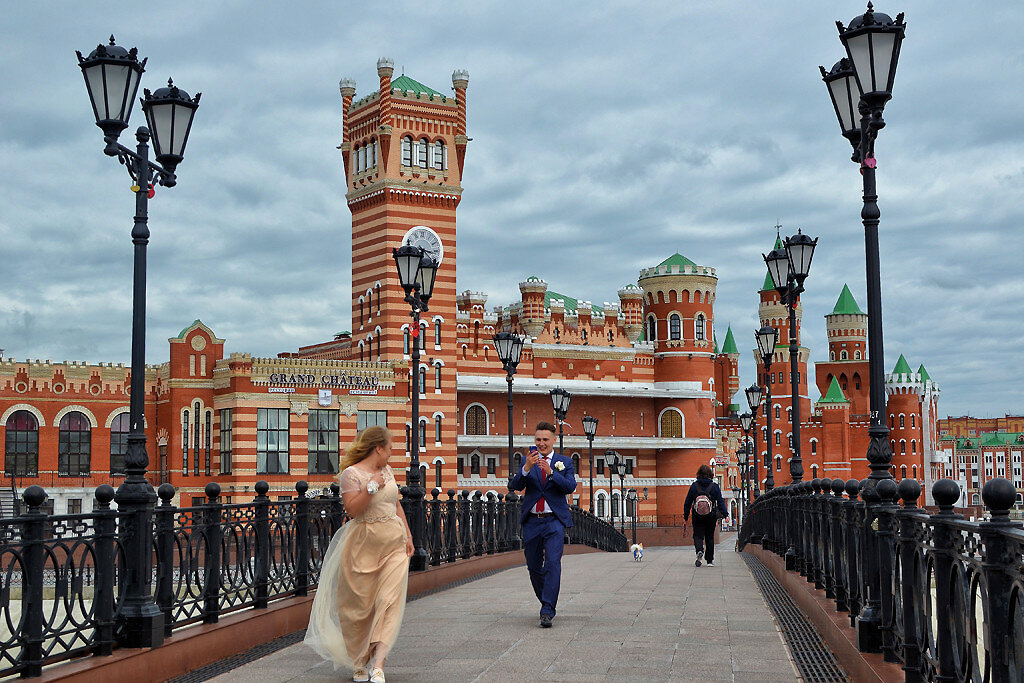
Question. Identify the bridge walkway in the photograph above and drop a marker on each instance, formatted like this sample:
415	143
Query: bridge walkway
662	619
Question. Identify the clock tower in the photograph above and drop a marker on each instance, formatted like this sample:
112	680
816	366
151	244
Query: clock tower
403	148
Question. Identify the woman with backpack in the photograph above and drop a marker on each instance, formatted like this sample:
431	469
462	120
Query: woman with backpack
705	500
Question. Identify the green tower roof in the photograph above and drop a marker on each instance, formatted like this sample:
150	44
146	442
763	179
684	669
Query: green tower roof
197	321
571	304
846	304
677	259
834	394
924	373
902	367
404	83
730	343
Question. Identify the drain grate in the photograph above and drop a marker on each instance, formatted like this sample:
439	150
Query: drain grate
214	669
812	657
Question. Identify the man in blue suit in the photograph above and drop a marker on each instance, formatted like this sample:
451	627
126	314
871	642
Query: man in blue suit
547	478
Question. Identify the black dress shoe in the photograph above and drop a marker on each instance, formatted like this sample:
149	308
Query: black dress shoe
545	621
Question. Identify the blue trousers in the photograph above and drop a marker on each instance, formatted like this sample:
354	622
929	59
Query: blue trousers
543	540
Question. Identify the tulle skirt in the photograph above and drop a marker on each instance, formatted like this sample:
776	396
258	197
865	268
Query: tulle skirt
361	597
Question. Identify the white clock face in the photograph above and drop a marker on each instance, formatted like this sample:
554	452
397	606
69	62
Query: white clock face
422	236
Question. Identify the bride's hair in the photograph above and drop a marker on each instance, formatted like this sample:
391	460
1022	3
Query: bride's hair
366	442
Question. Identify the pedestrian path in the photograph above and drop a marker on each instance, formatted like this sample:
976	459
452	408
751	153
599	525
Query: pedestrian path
658	620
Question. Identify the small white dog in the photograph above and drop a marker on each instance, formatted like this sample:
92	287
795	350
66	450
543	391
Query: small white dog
638	552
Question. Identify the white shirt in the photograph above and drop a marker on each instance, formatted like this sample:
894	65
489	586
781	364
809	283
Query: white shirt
545	458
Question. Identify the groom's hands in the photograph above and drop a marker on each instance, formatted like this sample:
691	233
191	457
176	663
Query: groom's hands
532	458
544	467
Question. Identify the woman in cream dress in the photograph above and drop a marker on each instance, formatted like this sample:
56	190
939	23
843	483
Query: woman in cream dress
359	603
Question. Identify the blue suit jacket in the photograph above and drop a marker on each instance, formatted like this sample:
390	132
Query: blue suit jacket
554	489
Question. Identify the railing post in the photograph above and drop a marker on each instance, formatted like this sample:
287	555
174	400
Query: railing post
825	548
104	529
999	565
213	536
337	509
869	621
478	520
851	526
33	521
301	538
165	555
910	587
887	493
262	560
501	527
792	537
451	527
489	514
465	525
512	514
838	545
945	538
436	544
818	529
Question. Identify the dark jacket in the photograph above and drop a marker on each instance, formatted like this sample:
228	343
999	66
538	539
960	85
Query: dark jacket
555	488
710	489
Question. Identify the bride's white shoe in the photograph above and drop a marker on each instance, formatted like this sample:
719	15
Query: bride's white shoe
377	675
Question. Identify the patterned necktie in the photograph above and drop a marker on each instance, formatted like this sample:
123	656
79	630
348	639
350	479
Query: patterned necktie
543	478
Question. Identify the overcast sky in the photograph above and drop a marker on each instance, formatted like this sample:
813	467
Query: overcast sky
606	136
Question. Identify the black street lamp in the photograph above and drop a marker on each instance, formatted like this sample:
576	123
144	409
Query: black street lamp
859	85
632	496
767	337
747	422
510	349
560	399
788	268
616	466
590	429
741	460
112	76
416	272
754	395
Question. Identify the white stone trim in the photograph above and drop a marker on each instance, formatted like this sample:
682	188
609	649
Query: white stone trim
24	406
498	441
75	408
582	387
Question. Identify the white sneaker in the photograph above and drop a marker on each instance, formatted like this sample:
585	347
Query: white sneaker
711	564
700	556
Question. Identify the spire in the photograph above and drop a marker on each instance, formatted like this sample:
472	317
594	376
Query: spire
730	343
714	338
834	394
677	259
846	304
902	367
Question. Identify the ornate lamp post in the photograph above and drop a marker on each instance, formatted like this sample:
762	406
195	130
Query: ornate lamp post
510	349
560	399
767	337
590	429
632	496
416	272
754	394
788	267
747	423
112	76
859	85
616	466
741	459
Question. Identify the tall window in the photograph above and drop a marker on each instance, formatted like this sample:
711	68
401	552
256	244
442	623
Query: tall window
902	418
576	462
437	333
407	151
600	506
474	465
423	381
439	155
74	445
421	149
615	504
118	442
208	438
674	327
369	418
437	475
698	325
652	329
323	441
405	342
476	420
672	424
225	441
437	378
185	424
423	434
21	450
423	336
492	466
437	430
599	467
271	440
195	441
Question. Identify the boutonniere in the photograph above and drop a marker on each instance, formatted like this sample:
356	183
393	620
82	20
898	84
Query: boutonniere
559	465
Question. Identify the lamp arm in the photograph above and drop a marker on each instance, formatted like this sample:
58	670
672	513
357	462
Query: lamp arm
133	162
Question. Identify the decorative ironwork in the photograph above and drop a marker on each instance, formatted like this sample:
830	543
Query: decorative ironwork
63	577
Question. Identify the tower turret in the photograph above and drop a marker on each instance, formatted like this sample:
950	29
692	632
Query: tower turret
347	87
532	317
847	330
905	390
460	81
631	310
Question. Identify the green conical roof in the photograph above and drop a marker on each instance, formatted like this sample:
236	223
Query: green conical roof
846	305
730	343
677	259
834	394
404	83
902	367
924	373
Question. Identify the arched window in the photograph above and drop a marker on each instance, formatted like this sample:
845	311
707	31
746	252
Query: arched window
439	155
778	412
615	504
915	472
903	471
423	381
421	149
600	505
674	327
423	336
843	355
652	329
437	475
474	464
698	327
814	471
407	150
901	420
671	424
856	355
74	445
437	378
118	442
912	420
831	355
903	447
371	155
913	446
437	333
21	450
576	463
476	421
778	463
405	341
517	462
778	438
789	414
437	429
814	447
423	434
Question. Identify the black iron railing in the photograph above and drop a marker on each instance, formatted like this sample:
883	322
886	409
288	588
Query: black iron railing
62	576
936	593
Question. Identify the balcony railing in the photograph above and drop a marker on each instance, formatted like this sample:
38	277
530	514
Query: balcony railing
936	593
62	577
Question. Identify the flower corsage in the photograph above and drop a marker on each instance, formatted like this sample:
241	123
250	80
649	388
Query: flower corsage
559	465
